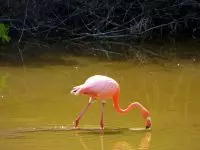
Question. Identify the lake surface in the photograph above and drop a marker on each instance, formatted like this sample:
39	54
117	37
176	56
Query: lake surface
36	106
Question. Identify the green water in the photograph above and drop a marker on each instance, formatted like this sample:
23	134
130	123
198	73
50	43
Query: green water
38	96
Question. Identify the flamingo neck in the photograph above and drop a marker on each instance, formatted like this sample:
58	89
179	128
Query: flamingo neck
144	112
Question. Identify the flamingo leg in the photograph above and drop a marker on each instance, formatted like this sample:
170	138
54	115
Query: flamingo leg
102	115
91	100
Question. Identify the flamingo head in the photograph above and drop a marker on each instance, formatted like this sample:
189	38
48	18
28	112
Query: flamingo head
75	90
148	122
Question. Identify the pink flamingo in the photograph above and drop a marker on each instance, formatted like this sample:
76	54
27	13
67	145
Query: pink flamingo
102	88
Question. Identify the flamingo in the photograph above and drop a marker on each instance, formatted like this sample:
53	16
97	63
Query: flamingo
102	88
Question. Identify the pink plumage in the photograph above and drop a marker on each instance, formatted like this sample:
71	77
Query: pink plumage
103	88
98	86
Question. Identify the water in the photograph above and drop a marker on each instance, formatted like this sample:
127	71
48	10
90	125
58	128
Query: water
36	101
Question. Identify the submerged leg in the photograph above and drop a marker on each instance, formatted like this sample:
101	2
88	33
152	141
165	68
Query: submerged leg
91	100
102	115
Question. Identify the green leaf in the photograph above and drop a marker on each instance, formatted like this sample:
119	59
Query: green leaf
4	33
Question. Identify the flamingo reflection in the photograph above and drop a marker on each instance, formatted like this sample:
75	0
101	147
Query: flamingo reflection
120	145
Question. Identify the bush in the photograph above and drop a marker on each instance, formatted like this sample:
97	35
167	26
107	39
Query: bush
4	33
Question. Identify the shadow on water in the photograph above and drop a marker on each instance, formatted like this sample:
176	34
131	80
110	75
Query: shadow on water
42	60
81	131
36	56
81	134
40	56
120	144
49	59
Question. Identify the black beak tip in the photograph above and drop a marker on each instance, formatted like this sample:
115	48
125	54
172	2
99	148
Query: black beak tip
74	90
147	127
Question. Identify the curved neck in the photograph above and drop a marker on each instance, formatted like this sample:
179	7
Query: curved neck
144	112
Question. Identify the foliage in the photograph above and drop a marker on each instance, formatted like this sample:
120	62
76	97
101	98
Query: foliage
4	33
83	19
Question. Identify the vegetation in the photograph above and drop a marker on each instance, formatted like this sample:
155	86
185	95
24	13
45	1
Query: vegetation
61	19
100	24
4	33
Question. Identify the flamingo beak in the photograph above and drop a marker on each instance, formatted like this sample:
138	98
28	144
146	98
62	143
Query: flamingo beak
74	90
148	123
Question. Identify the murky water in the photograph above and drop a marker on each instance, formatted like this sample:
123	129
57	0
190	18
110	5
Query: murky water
36	100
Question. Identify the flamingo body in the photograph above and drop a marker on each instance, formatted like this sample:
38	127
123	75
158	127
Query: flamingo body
97	86
103	88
